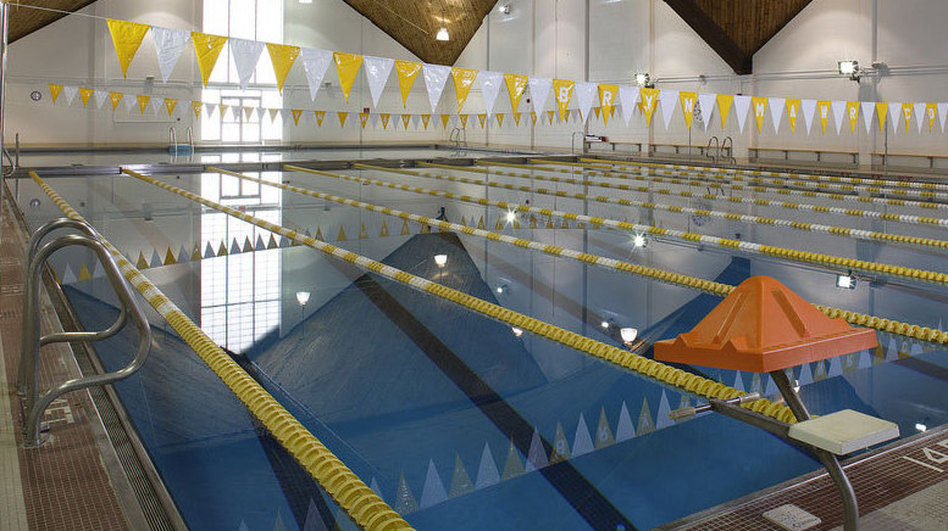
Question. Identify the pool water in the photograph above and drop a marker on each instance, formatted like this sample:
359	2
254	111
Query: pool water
454	419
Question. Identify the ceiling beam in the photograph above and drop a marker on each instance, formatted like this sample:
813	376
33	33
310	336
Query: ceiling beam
718	39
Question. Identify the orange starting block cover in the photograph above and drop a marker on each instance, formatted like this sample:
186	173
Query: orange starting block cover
762	326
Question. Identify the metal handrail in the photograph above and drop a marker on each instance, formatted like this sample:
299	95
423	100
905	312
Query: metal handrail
190	138
717	144
572	141
728	145
30	308
36	403
174	140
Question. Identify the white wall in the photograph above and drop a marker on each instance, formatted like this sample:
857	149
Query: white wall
77	50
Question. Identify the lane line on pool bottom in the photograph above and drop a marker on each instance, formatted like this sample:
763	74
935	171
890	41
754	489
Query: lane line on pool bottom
669	277
359	501
665	374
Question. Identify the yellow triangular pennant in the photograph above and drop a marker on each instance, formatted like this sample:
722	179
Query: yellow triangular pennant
607	98
319	115
563	92
882	109
406	71
127	37
342	234
499	224
907	115
54	90
196	107
319	234
170	104
406	119
84	273
282	56
760	108
363	232
385	117
793	110
169	258
648	99
724	107
549	116
296	115
482	118
516	117
141	263
688	100
383	230
480	223
463	81
852	112
425	118
364	118
405	228
930	112
463	118
207	48
533	117
347	66
143	102
515	86
115	98
342	118
222	250
444	120
85	94
823	110
500	119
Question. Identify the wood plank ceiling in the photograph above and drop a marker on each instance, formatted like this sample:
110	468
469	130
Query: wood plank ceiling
414	23
24	20
736	29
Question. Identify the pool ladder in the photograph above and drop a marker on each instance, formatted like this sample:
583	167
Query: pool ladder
175	148
722	149
458	138
31	341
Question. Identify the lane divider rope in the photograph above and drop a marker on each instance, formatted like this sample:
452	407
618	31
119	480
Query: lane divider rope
355	497
843	232
886	216
623	358
807	185
669	277
809	257
896	181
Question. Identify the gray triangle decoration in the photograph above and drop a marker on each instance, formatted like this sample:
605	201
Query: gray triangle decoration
68	277
603	432
278	524
835	368
259	245
646	424
209	251
536	456
404	500
374	485
806	375
487	474
513	466
433	491
314	521
183	255
582	442
98	270
625	429
155	259
234	247
460	481
738	381
663	418
864	360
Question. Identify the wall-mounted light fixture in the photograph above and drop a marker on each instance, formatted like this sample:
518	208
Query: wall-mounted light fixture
516	331
441	260
501	289
642	79
628	335
302	297
442	34
849	68
505	9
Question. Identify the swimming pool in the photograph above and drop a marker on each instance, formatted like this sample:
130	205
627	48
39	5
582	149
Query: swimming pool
456	420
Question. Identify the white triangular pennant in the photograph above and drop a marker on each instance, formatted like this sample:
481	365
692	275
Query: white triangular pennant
809	109
540	90
868	108
70	91
487	474
584	92
101	96
435	77
130	102
895	114
625	429
942	114
741	106
706	103
628	98
490	87
668	99
246	56
582	442
315	63
377	71
663	418
776	111
155	105
415	120
169	43
919	114
839	111
536	456
211	108
433	492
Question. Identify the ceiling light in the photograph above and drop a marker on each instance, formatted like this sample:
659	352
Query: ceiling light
628	334
511	216
442	34
639	241
642	79
921	427
516	331
846	281
604	325
306	1
302	297
501	289
441	259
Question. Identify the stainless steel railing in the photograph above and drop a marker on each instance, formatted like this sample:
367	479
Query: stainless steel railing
28	369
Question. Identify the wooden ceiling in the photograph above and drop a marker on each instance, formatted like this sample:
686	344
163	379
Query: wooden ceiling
414	23
24	20
736	29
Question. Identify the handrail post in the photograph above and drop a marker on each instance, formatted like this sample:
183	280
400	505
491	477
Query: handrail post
36	404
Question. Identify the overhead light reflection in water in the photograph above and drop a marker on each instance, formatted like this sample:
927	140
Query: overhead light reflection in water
240	293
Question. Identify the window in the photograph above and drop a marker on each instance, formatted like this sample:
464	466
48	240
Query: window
260	20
